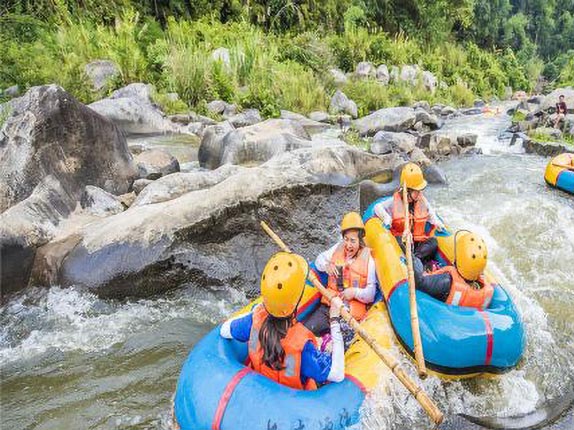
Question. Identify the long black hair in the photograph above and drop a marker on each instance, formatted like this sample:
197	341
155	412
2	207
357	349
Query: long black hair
272	332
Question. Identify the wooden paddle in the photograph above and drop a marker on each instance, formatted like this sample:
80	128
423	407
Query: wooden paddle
417	343
391	362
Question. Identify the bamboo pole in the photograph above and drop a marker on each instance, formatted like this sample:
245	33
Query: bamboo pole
391	362
417	343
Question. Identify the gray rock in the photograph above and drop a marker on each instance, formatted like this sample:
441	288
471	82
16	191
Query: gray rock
340	103
552	98
466	139
310	126
229	111
245	118
394	73
155	163
254	144
319	116
101	73
471	111
447	110
216	107
546	149
427	119
10	92
479	103
100	203
383	75
389	119
429	81
177	184
222	55
211	147
403	142
44	171
437	109
132	109
365	70
418	156
443	85
423	104
435	175
408	74
338	76
172	97
140	184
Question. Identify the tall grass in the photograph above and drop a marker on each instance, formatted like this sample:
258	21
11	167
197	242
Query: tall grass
266	71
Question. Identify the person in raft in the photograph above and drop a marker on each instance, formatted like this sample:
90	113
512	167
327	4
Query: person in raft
351	271
281	348
462	284
392	213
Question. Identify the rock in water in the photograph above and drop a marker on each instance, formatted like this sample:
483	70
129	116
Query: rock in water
51	147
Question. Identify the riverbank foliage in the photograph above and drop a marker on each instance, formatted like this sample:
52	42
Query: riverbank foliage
281	51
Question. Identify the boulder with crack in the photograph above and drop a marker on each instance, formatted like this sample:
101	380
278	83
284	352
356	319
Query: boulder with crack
252	145
51	147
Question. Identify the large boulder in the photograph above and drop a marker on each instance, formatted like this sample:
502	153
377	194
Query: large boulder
142	251
101	73
546	149
341	104
387	141
389	119
438	145
252	145
155	163
553	98
51	147
131	108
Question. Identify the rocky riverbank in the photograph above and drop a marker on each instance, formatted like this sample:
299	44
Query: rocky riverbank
79	208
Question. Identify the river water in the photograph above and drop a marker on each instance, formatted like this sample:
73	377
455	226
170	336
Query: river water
71	360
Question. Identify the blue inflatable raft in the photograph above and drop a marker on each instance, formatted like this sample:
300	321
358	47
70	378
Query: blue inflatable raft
456	340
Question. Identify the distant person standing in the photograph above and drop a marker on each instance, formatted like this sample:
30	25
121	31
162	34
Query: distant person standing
561	110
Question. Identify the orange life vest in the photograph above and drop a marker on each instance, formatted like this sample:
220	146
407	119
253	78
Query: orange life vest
354	275
293	343
418	220
462	294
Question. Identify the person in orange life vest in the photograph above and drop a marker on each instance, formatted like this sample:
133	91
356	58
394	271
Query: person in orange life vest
392	213
351	272
462	284
281	348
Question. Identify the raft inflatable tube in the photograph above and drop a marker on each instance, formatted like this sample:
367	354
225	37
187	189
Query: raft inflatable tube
218	391
456	340
558	176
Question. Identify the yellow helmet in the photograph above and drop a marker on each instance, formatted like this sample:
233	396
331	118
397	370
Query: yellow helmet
470	255
282	283
352	220
412	177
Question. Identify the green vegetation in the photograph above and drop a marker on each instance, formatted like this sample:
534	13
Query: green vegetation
544	137
281	51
